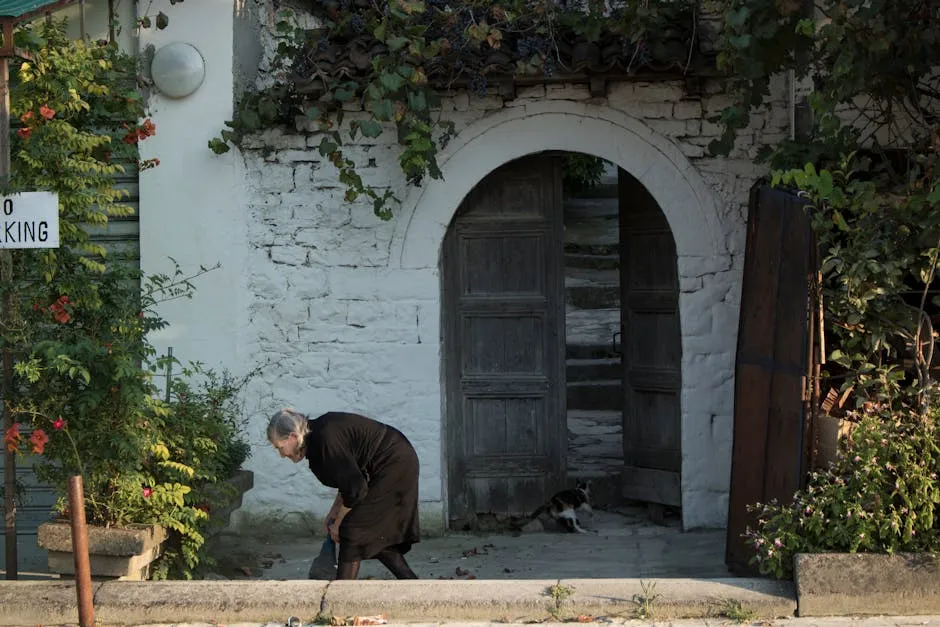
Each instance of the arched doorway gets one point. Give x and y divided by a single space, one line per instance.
503 328
705 264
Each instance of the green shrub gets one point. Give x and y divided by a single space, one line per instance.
880 496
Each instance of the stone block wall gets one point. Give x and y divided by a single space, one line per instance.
346 319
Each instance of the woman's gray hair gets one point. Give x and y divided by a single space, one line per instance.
287 421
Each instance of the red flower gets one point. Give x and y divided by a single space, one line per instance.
25 132
147 129
130 138
58 423
12 438
148 164
46 112
59 311
38 439
26 117
148 492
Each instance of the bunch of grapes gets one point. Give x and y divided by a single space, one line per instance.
549 66
477 85
357 24
527 46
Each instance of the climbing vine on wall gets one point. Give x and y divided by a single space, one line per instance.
402 55
869 164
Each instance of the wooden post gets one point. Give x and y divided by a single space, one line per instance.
6 268
86 608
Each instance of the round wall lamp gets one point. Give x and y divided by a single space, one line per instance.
177 70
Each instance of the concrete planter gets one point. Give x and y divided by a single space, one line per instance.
229 492
127 553
115 553
840 584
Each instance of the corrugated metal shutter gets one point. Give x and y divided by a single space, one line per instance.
121 238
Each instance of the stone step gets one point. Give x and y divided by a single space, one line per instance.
593 369
591 326
607 188
590 351
591 276
596 395
597 207
593 296
592 248
594 262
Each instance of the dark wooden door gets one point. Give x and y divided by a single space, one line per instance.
652 349
769 457
503 331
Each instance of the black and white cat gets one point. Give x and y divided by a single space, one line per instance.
563 507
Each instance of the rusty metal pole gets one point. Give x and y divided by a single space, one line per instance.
6 269
86 608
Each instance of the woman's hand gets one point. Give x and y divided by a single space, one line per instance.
333 513
333 529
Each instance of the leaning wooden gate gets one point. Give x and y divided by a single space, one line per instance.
775 356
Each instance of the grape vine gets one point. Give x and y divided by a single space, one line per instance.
393 60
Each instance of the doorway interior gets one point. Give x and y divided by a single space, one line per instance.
561 341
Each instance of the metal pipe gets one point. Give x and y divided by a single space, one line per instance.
6 270
86 608
111 19
81 19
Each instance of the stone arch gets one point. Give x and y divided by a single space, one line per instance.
704 260
686 200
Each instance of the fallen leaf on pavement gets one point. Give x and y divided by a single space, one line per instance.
461 572
245 571
584 618
378 619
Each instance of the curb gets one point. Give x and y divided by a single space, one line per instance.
839 584
140 603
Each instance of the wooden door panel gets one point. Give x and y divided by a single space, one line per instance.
652 349
768 452
503 342
484 258
494 342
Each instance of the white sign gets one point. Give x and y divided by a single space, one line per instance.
29 220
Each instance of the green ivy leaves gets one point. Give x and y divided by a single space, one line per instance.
413 36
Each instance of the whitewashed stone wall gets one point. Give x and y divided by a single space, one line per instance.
345 307
347 325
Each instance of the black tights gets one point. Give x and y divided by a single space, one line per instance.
390 559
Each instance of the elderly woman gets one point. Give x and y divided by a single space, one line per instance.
375 469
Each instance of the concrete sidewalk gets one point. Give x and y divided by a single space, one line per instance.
851 621
226 602
625 545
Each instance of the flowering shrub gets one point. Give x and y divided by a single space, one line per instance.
881 495
84 386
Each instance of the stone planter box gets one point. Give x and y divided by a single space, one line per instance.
126 553
843 584
115 553
231 491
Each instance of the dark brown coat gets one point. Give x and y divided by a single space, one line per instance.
375 468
